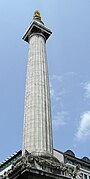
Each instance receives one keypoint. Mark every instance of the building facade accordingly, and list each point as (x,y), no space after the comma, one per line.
(69,159)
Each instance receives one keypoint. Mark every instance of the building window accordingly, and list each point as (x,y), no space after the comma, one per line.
(85,176)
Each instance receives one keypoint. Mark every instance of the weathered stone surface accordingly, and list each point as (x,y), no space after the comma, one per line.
(29,166)
(37,134)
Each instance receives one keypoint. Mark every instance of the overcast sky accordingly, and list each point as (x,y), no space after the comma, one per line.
(68,55)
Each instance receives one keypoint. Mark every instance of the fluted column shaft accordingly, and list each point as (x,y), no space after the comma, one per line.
(37,135)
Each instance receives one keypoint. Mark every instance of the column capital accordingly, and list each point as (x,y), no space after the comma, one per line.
(36,26)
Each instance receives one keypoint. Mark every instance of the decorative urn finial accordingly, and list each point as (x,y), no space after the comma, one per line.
(37,15)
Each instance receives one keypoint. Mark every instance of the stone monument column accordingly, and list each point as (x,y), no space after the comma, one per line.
(37,132)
